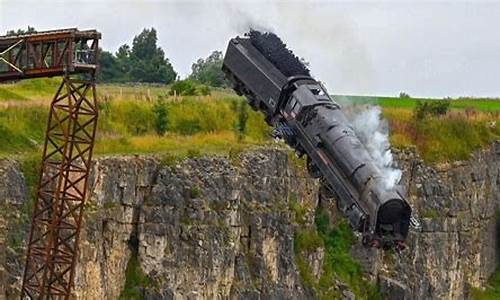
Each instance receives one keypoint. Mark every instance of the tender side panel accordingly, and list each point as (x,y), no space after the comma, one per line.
(259,75)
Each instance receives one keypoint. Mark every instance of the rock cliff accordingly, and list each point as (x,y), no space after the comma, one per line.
(218,227)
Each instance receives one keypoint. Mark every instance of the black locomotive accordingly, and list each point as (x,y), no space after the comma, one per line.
(277,83)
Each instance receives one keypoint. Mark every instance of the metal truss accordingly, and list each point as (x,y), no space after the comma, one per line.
(57,217)
(48,53)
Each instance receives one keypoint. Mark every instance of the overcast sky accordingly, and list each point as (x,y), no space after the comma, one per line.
(371,48)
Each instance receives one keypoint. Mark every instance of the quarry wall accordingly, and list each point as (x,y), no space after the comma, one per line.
(219,227)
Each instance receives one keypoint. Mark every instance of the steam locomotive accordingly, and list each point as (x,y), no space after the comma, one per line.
(276,82)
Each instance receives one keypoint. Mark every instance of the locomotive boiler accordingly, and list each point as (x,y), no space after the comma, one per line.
(277,83)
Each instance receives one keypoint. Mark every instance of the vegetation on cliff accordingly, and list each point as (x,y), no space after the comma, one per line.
(218,122)
(337,263)
(492,290)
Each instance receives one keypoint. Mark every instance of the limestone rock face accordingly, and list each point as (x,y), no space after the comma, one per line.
(457,205)
(13,194)
(219,228)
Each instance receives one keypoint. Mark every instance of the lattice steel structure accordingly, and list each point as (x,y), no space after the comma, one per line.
(57,217)
(48,53)
(56,221)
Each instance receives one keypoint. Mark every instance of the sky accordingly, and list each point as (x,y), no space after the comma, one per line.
(424,48)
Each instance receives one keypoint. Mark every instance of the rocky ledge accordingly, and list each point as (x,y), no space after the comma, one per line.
(219,227)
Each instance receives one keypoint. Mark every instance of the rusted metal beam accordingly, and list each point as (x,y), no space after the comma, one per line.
(57,217)
(48,53)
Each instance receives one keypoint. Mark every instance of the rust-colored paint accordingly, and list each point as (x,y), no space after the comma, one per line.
(29,53)
(57,217)
(67,154)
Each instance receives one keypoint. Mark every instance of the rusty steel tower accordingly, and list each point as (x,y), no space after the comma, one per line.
(52,248)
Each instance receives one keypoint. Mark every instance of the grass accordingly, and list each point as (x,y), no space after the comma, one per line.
(492,290)
(126,123)
(337,241)
(207,124)
(447,138)
(479,104)
(135,281)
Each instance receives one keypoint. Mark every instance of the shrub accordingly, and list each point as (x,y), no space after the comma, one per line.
(189,88)
(188,126)
(337,264)
(241,110)
(431,108)
(183,88)
(403,95)
(194,192)
(136,281)
(161,116)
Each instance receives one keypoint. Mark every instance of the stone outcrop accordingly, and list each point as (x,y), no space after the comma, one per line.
(457,205)
(217,227)
(13,198)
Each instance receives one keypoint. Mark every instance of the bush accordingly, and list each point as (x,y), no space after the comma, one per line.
(337,264)
(161,116)
(189,88)
(241,110)
(431,108)
(403,95)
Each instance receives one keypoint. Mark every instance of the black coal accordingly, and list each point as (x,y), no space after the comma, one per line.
(273,48)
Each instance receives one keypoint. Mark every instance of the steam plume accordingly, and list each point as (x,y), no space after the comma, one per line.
(373,132)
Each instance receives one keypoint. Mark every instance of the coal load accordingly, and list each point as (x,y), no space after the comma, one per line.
(276,82)
(273,48)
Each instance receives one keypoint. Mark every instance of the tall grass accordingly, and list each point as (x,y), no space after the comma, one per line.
(443,138)
(126,123)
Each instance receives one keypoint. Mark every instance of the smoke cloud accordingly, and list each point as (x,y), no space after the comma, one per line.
(333,45)
(373,132)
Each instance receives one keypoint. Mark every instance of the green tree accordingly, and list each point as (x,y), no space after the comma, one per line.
(148,62)
(160,110)
(123,64)
(241,110)
(209,70)
(109,67)
(144,62)
(22,31)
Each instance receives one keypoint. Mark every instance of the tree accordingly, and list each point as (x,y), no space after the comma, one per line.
(22,31)
(209,71)
(160,110)
(148,61)
(109,68)
(144,62)
(403,95)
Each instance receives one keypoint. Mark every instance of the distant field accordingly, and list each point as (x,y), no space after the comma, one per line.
(480,104)
(206,124)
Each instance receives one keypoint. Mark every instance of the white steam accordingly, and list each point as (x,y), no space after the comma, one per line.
(373,132)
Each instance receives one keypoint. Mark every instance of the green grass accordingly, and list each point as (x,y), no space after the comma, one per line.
(447,138)
(480,104)
(135,281)
(492,291)
(126,126)
(207,124)
(337,241)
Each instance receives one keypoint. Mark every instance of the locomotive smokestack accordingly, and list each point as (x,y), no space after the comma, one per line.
(276,82)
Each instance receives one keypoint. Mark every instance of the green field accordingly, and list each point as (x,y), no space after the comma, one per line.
(207,124)
(479,104)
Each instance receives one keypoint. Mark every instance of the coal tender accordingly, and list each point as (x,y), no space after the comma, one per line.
(278,84)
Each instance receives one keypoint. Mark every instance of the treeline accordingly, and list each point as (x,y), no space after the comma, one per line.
(145,61)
